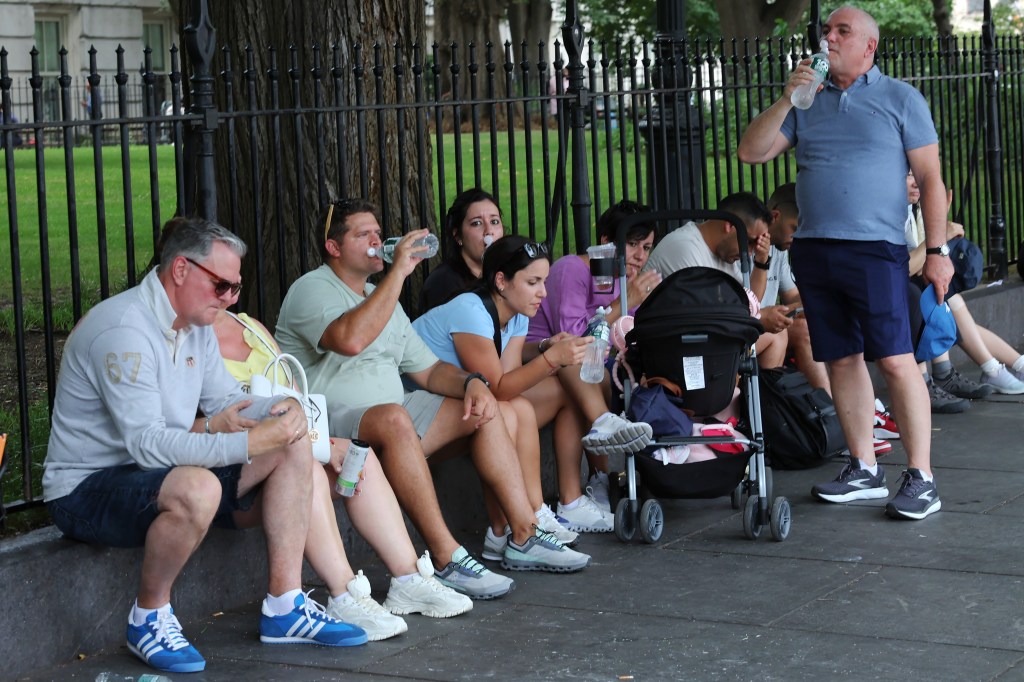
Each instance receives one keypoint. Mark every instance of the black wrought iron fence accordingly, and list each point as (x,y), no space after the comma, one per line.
(658,122)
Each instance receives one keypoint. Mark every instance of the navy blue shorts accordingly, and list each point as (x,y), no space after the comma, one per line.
(855,297)
(114,507)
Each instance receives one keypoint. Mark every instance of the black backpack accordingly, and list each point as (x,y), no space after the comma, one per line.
(801,426)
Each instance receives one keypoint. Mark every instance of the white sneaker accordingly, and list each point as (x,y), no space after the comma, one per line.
(597,486)
(1003,381)
(494,545)
(358,608)
(422,593)
(611,434)
(586,516)
(546,520)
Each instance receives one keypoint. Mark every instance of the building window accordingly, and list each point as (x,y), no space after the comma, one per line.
(153,37)
(49,40)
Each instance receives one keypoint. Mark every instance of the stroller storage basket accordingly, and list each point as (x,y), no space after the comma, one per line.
(692,480)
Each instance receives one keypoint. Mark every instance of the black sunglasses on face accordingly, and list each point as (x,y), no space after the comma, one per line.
(220,285)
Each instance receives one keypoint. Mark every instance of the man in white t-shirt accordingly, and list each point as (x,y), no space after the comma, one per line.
(714,244)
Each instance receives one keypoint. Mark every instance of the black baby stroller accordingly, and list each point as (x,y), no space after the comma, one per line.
(695,331)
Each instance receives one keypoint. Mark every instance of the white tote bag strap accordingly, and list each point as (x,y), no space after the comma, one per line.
(258,333)
(283,360)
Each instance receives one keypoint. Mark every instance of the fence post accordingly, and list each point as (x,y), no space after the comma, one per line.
(200,41)
(993,150)
(572,36)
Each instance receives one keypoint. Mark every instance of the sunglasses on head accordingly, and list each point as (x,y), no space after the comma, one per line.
(220,285)
(534,249)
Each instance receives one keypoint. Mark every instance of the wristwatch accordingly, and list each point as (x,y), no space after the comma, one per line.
(765,265)
(475,375)
(938,250)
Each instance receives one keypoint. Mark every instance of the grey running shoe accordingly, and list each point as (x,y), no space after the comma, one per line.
(423,593)
(543,552)
(468,576)
(611,435)
(945,403)
(1003,381)
(852,483)
(962,387)
(546,520)
(916,498)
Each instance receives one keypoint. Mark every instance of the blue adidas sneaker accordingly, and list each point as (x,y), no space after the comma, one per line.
(308,623)
(161,645)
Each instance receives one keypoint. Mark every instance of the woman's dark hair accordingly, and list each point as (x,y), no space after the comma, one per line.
(508,256)
(453,226)
(331,224)
(615,214)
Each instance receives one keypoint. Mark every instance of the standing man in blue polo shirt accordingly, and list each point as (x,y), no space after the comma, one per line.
(853,145)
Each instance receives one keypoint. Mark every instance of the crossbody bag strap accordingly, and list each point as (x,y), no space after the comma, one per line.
(259,335)
(485,298)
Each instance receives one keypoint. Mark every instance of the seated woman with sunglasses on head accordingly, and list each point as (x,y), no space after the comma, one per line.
(467,330)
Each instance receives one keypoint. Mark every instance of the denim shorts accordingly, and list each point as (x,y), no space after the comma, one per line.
(855,297)
(114,507)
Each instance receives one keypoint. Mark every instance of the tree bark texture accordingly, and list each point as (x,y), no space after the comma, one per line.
(295,143)
(756,18)
(943,22)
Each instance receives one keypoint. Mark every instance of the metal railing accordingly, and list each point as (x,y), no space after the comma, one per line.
(658,122)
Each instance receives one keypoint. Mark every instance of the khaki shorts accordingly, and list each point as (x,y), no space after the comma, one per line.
(422,407)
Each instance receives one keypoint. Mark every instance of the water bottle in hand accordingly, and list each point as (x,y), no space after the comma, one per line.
(387,249)
(803,97)
(592,370)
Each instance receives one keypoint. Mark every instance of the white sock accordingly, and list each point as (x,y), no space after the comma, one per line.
(575,503)
(139,615)
(873,468)
(406,578)
(279,606)
(344,596)
(927,477)
(1018,365)
(990,367)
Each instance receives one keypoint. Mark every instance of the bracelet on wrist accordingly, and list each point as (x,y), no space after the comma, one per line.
(207,425)
(553,367)
(540,346)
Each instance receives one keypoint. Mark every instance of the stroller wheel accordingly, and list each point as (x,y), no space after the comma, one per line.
(652,521)
(781,519)
(736,497)
(625,520)
(751,525)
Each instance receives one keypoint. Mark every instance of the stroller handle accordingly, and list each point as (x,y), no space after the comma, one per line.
(676,214)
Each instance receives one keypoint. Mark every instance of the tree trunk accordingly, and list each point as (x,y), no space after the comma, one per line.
(943,22)
(748,19)
(276,206)
(529,22)
(470,25)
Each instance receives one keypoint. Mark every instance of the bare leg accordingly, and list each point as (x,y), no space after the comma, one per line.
(1000,349)
(970,337)
(390,432)
(285,503)
(187,501)
(855,404)
(800,344)
(552,403)
(375,514)
(771,349)
(495,459)
(911,406)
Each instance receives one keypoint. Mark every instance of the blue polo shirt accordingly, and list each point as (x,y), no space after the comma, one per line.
(851,158)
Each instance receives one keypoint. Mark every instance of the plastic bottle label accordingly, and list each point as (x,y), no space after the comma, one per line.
(820,65)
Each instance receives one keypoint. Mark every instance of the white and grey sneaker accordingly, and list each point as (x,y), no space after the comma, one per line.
(610,434)
(543,552)
(1003,381)
(466,575)
(585,516)
(494,545)
(423,593)
(358,608)
(597,486)
(546,520)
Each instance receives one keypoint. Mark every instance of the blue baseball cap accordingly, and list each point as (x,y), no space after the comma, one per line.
(939,332)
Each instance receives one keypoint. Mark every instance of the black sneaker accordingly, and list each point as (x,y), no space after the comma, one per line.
(944,402)
(853,483)
(916,498)
(962,387)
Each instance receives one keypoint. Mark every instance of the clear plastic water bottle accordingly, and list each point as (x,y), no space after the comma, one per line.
(117,677)
(387,249)
(803,97)
(592,370)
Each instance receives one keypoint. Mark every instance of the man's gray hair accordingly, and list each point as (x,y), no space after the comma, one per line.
(194,238)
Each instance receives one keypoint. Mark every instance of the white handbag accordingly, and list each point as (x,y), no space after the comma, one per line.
(314,405)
